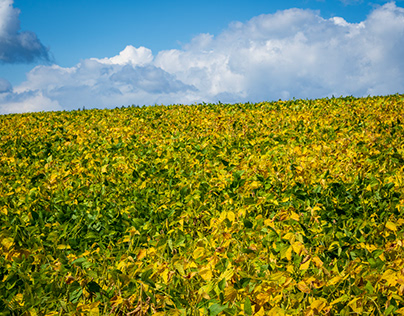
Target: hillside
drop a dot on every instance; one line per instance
(289, 207)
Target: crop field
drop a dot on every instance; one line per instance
(274, 208)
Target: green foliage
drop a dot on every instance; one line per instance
(273, 208)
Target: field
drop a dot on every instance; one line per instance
(274, 208)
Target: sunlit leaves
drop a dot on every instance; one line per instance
(287, 207)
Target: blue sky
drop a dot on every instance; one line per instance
(67, 54)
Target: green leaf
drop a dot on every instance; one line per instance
(247, 223)
(216, 309)
(222, 284)
(35, 215)
(79, 261)
(369, 287)
(75, 292)
(247, 307)
(389, 310)
(93, 287)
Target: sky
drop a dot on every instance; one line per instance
(65, 55)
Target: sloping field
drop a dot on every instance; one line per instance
(283, 208)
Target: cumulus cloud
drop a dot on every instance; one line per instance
(297, 53)
(30, 101)
(130, 55)
(17, 46)
(291, 53)
(99, 83)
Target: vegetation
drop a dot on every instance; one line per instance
(275, 208)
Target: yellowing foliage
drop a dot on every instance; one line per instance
(273, 208)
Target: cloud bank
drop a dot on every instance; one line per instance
(291, 53)
(17, 46)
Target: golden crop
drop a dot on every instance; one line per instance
(274, 208)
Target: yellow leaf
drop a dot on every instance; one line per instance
(181, 222)
(277, 299)
(206, 274)
(228, 274)
(7, 242)
(4, 210)
(32, 312)
(231, 217)
(302, 286)
(223, 216)
(117, 300)
(133, 231)
(92, 308)
(370, 248)
(121, 265)
(198, 252)
(276, 311)
(318, 304)
(164, 276)
(390, 276)
(391, 226)
(61, 247)
(230, 294)
(191, 264)
(297, 247)
(204, 290)
(317, 261)
(357, 308)
(18, 298)
(288, 254)
(290, 268)
(254, 185)
(180, 268)
(334, 245)
(126, 238)
(53, 178)
(143, 185)
(289, 236)
(305, 265)
(261, 312)
(141, 254)
(294, 216)
(400, 222)
(334, 280)
(387, 274)
(269, 222)
(278, 276)
(263, 298)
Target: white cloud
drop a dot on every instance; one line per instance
(296, 53)
(97, 83)
(31, 101)
(17, 46)
(292, 53)
(130, 55)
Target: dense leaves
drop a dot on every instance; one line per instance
(287, 207)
